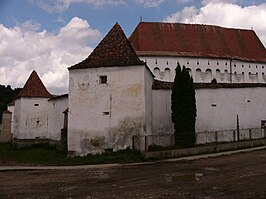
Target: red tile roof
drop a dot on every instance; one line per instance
(113, 50)
(34, 88)
(194, 40)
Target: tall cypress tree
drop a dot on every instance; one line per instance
(183, 108)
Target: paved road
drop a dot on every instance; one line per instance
(241, 175)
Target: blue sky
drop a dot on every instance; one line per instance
(50, 35)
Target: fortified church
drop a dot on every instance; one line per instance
(120, 95)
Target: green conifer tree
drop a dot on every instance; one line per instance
(183, 108)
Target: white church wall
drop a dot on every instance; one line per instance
(162, 123)
(204, 70)
(56, 117)
(31, 118)
(217, 111)
(148, 78)
(105, 115)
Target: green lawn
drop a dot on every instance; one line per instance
(47, 155)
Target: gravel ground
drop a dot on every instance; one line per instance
(240, 175)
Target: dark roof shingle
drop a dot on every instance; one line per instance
(162, 85)
(194, 40)
(34, 88)
(113, 50)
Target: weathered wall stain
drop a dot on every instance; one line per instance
(133, 90)
(115, 138)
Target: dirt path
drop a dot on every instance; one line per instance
(236, 176)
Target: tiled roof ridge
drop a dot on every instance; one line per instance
(197, 40)
(162, 85)
(196, 24)
(113, 50)
(34, 87)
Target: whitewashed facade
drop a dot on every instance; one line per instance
(106, 115)
(217, 109)
(31, 118)
(111, 98)
(205, 70)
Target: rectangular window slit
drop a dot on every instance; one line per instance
(103, 79)
(36, 104)
(213, 105)
(106, 113)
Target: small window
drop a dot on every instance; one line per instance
(103, 79)
(36, 104)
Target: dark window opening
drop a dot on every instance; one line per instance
(36, 104)
(103, 79)
(106, 113)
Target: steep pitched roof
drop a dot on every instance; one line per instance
(194, 40)
(34, 88)
(113, 50)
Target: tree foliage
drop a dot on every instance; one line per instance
(7, 94)
(183, 108)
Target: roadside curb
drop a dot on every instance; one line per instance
(99, 166)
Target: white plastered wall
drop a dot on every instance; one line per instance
(103, 116)
(56, 116)
(31, 118)
(204, 70)
(217, 109)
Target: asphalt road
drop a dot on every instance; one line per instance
(241, 175)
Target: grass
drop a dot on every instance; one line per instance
(47, 155)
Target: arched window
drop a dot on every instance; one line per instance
(156, 72)
(208, 73)
(189, 71)
(198, 75)
(218, 74)
(167, 74)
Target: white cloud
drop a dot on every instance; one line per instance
(205, 2)
(23, 49)
(150, 3)
(227, 15)
(51, 6)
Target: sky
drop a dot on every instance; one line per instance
(51, 35)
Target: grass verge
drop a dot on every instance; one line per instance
(47, 155)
